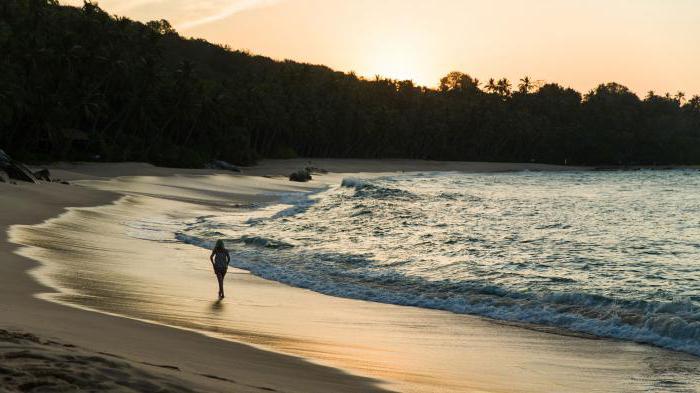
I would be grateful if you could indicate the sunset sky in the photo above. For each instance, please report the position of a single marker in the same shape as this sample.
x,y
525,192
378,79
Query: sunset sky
x,y
643,44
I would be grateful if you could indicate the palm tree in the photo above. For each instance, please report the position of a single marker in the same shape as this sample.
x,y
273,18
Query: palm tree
x,y
503,87
525,85
476,82
694,103
491,86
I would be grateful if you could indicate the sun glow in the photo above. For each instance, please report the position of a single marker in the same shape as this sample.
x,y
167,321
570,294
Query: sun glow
x,y
645,45
400,55
394,64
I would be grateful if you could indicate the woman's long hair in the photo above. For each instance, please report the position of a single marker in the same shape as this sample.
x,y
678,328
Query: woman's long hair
x,y
219,246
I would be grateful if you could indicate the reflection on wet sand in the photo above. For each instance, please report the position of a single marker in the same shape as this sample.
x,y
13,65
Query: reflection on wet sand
x,y
217,306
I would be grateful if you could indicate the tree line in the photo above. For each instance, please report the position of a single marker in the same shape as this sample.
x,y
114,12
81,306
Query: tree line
x,y
80,84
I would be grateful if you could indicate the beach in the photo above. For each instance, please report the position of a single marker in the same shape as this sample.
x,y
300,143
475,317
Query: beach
x,y
204,363
162,323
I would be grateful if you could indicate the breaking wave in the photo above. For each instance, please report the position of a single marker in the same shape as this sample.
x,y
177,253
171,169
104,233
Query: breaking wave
x,y
581,251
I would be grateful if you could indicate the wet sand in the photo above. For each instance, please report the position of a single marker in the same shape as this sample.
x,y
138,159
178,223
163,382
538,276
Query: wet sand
x,y
383,346
195,361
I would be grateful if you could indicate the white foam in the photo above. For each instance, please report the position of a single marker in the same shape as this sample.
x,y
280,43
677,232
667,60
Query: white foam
x,y
352,182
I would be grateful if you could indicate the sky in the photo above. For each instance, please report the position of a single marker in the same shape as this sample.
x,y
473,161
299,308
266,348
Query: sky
x,y
643,44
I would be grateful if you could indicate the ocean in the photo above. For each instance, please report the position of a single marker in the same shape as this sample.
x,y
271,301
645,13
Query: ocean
x,y
610,254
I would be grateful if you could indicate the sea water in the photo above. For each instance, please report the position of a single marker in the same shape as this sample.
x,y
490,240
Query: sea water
x,y
612,254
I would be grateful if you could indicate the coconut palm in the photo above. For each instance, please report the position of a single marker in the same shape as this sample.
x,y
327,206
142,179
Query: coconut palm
x,y
694,103
525,85
503,87
491,86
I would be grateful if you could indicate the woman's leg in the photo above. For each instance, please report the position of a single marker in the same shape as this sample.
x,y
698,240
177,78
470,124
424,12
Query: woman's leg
x,y
220,278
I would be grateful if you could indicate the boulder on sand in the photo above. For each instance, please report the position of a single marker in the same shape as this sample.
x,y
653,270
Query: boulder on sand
x,y
302,175
15,169
43,174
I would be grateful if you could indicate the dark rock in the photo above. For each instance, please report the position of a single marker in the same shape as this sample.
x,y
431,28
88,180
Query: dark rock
x,y
219,164
43,174
15,169
65,182
4,157
3,178
302,175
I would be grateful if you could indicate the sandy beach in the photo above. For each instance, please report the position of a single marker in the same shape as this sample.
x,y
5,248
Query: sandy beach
x,y
143,324
197,361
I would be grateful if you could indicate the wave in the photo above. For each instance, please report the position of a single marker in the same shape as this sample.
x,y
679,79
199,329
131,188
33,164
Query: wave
x,y
256,241
265,242
352,182
296,202
471,250
365,189
674,325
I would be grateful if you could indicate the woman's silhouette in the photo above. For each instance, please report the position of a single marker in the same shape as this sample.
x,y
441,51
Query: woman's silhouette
x,y
219,259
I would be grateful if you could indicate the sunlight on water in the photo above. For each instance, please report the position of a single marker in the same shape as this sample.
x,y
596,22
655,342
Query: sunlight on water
x,y
607,253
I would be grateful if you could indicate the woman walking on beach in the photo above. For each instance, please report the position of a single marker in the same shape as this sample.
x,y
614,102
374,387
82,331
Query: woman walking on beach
x,y
219,259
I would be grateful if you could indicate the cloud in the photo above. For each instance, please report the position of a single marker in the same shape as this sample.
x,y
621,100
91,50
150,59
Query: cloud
x,y
118,7
183,14
128,5
225,12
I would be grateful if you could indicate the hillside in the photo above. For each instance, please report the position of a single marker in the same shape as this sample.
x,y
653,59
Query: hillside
x,y
79,84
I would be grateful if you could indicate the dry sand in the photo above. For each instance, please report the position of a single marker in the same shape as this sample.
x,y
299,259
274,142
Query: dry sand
x,y
31,364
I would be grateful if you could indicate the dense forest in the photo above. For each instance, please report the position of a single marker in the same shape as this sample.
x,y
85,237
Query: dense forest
x,y
79,84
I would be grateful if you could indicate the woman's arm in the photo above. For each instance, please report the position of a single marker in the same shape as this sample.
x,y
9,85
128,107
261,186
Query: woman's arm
x,y
228,258
211,257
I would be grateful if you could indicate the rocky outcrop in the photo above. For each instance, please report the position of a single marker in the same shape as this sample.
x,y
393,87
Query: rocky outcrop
x,y
15,169
302,175
43,174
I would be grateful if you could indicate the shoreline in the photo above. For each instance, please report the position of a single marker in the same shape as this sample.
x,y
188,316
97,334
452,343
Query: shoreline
x,y
201,362
275,170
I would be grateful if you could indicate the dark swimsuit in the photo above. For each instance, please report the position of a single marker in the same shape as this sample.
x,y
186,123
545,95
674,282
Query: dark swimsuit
x,y
220,262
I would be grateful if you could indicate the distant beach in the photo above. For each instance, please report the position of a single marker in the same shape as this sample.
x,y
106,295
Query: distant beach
x,y
100,247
